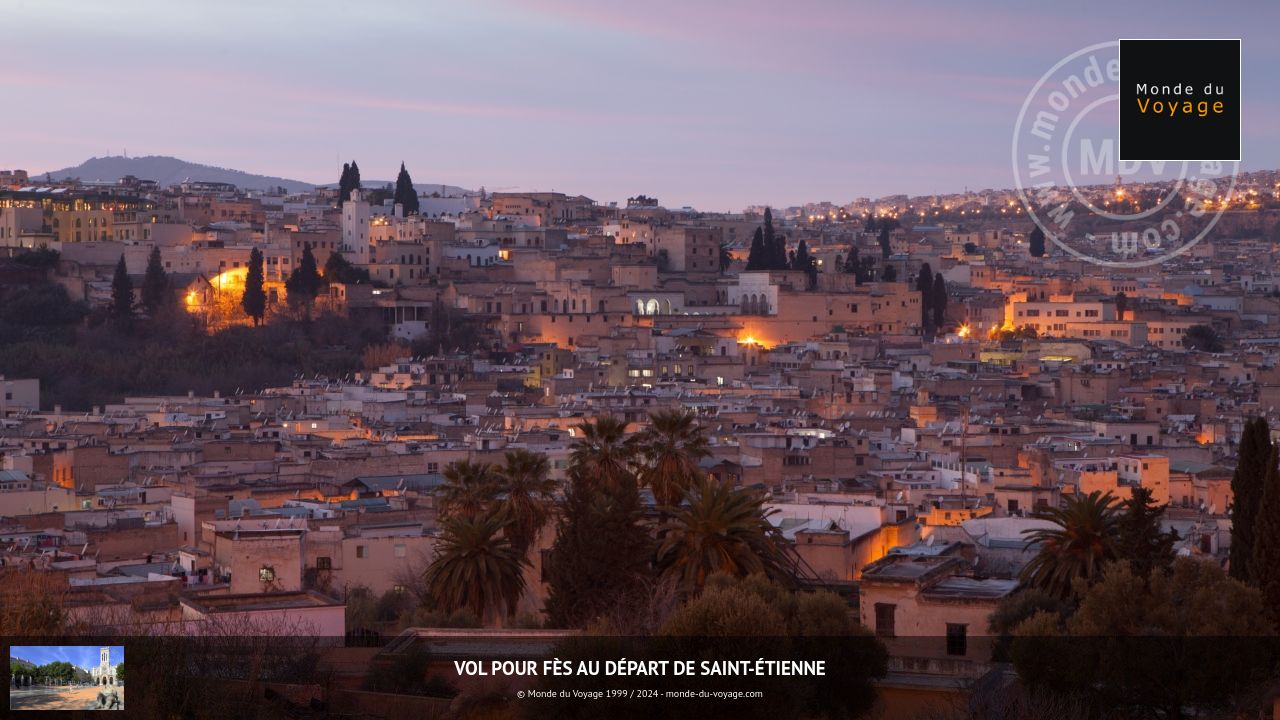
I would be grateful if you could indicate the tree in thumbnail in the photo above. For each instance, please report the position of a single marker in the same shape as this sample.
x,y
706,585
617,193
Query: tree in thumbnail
x,y
938,300
526,496
924,285
1122,304
889,274
756,258
337,269
1035,242
1266,541
349,181
1246,488
1083,541
885,248
476,567
469,488
254,300
671,448
1203,338
1140,540
602,554
603,455
406,196
720,529
121,307
155,284
304,283
774,245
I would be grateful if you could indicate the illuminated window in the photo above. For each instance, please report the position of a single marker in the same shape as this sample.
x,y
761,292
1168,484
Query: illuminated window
x,y
267,574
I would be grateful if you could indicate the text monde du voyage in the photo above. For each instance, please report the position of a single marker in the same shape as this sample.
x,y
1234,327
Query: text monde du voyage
x,y
1179,99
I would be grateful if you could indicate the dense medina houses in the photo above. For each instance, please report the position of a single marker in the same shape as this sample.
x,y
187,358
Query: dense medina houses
x,y
906,387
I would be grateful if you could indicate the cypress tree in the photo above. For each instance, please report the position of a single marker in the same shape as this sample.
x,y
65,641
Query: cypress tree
x,y
601,555
254,300
121,307
155,284
885,249
405,195
344,183
355,176
924,285
1036,242
1246,488
1265,564
939,300
304,282
756,259
775,248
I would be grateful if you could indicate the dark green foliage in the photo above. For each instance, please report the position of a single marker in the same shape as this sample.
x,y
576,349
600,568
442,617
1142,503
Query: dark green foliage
x,y
970,249
349,181
890,273
938,300
924,285
156,292
1140,539
768,249
121,307
337,269
304,283
1266,541
1202,337
40,257
885,248
601,556
1082,542
1035,242
406,197
1246,488
254,300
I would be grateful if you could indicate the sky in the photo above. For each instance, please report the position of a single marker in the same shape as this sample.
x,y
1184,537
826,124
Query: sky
x,y
707,103
82,656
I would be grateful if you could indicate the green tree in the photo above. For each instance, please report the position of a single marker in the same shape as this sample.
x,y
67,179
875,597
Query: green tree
x,y
720,529
890,273
254,299
119,672
470,488
337,269
886,249
1190,637
121,307
1203,338
349,181
1265,567
1035,242
602,555
1246,489
671,448
1083,541
924,285
526,495
938,300
406,196
601,454
155,284
1140,540
756,258
476,567
304,283
1122,303
970,249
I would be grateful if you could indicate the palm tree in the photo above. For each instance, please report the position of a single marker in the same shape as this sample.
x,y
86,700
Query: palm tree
x,y
476,566
1083,541
671,447
526,495
469,488
602,454
720,529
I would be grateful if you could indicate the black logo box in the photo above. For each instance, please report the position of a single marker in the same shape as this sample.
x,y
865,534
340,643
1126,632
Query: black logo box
x,y
1186,65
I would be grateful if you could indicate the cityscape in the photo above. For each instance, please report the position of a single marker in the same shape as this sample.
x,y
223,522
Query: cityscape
x,y
365,446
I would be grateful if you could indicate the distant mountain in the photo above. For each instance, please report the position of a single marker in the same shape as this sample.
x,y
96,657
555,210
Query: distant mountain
x,y
168,171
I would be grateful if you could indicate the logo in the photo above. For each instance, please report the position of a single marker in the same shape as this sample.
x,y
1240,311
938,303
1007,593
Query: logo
x,y
1079,192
